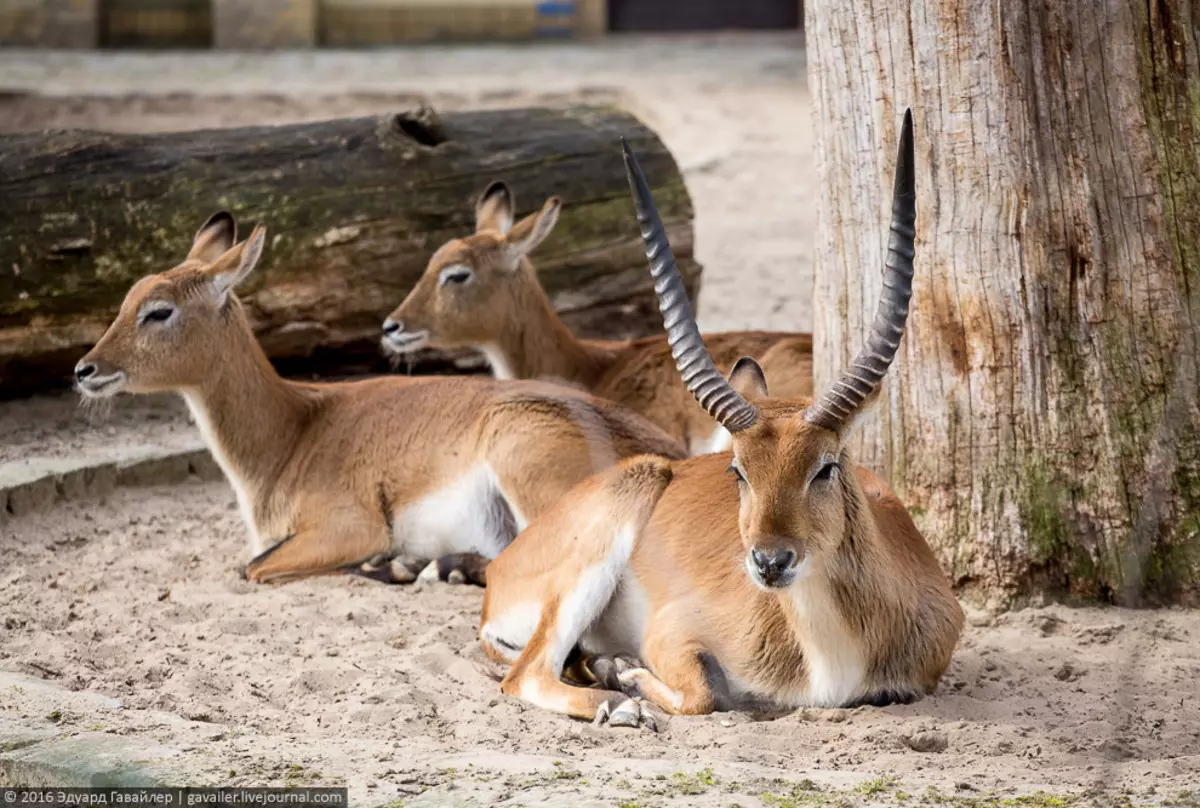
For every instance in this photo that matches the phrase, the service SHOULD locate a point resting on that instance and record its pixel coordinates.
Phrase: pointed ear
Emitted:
(494, 208)
(533, 229)
(748, 380)
(232, 268)
(214, 237)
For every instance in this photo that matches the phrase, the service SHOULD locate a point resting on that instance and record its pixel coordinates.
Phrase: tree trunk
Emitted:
(1042, 418)
(354, 208)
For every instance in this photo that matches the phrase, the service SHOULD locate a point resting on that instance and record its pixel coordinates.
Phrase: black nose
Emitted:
(392, 326)
(773, 565)
(83, 370)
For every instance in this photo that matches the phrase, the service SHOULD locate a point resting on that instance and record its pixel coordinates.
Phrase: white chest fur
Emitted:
(834, 657)
(240, 489)
(469, 515)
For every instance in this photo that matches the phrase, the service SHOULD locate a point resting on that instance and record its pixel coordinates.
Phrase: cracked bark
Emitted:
(1042, 419)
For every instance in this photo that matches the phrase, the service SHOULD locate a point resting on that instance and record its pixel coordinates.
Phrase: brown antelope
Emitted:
(482, 292)
(341, 476)
(778, 575)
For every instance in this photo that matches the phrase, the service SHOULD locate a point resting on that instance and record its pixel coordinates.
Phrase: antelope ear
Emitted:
(214, 238)
(494, 208)
(748, 379)
(236, 263)
(533, 229)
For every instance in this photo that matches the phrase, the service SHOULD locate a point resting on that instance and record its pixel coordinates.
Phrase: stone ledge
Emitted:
(39, 482)
(88, 759)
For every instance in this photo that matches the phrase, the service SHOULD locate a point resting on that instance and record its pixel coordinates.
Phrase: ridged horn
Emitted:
(695, 366)
(868, 368)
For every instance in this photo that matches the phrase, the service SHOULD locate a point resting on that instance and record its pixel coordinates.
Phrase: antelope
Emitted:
(377, 476)
(482, 292)
(773, 576)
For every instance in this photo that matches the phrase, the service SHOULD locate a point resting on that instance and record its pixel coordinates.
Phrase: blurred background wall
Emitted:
(252, 24)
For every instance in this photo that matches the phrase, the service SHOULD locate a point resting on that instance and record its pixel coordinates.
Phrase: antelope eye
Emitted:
(458, 275)
(827, 472)
(737, 473)
(159, 314)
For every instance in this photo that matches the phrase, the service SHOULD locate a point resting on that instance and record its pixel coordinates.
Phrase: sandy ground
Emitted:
(340, 680)
(138, 598)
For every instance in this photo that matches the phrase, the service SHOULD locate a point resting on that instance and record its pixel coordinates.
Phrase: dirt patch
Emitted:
(138, 597)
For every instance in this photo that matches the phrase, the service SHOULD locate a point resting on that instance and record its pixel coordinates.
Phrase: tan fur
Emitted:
(503, 310)
(327, 474)
(622, 498)
(709, 636)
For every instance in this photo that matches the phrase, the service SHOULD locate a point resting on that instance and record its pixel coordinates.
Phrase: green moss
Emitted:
(1183, 799)
(145, 224)
(803, 793)
(877, 785)
(1173, 564)
(691, 784)
(1042, 513)
(1041, 799)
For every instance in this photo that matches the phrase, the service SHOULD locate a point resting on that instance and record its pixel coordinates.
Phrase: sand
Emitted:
(137, 596)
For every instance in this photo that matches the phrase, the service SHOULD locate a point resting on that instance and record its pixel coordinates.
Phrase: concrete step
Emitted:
(52, 449)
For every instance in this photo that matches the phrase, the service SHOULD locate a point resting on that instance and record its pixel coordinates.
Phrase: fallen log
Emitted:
(354, 209)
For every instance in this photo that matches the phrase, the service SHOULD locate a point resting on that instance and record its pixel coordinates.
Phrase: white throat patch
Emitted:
(245, 507)
(501, 368)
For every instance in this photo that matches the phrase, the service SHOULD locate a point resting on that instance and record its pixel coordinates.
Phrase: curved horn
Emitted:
(695, 366)
(866, 371)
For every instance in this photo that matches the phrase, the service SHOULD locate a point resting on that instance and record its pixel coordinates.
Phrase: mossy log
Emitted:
(1042, 420)
(354, 208)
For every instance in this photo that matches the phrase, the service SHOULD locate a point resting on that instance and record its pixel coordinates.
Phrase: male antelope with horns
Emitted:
(347, 476)
(778, 575)
(482, 292)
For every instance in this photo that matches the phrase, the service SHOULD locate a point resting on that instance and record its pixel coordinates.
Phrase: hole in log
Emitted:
(70, 248)
(421, 125)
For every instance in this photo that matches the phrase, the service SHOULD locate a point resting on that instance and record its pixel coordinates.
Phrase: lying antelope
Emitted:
(776, 576)
(482, 292)
(340, 476)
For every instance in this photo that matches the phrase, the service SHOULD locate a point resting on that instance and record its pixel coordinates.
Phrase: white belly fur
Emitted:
(623, 624)
(470, 515)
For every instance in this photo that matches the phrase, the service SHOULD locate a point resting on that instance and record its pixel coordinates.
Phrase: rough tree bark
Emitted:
(354, 208)
(1042, 420)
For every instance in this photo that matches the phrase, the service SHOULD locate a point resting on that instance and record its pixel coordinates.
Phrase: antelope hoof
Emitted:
(429, 575)
(621, 711)
(385, 569)
(251, 573)
(629, 681)
(607, 670)
(459, 568)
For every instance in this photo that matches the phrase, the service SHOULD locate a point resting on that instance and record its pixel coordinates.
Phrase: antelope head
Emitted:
(474, 288)
(799, 498)
(171, 328)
